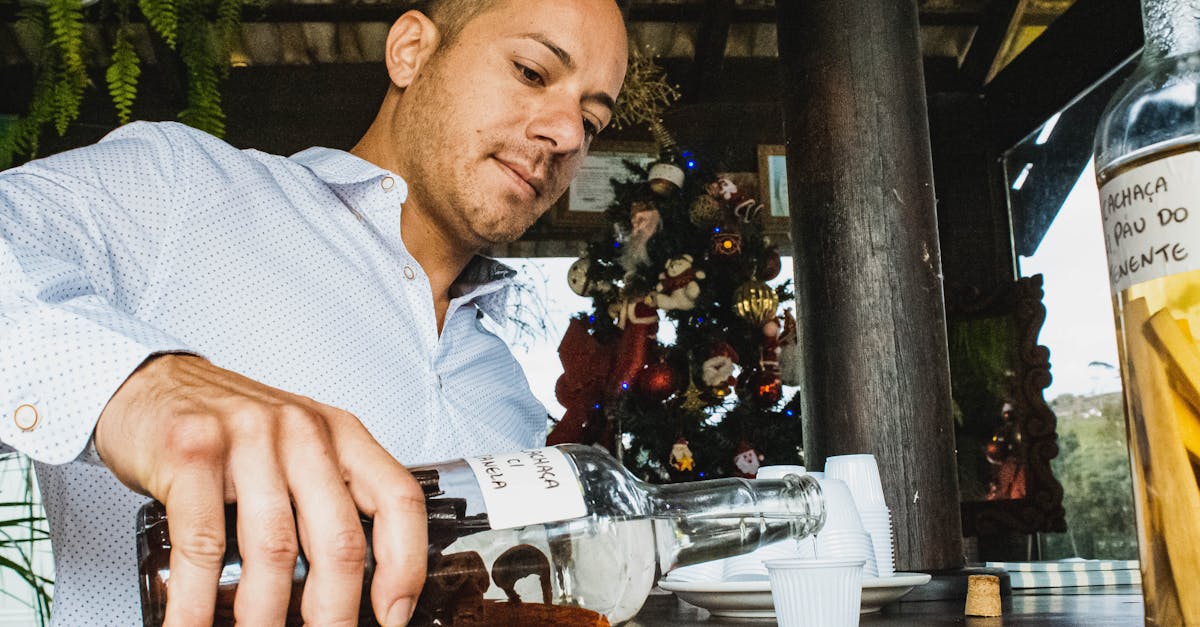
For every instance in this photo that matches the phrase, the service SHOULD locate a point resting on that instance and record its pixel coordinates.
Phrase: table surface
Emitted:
(1092, 607)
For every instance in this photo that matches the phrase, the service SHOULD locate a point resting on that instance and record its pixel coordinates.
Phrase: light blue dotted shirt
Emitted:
(288, 270)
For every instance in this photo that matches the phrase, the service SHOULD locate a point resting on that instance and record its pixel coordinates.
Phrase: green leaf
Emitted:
(122, 75)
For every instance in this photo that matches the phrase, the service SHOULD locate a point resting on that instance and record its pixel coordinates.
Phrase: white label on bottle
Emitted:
(1148, 227)
(528, 487)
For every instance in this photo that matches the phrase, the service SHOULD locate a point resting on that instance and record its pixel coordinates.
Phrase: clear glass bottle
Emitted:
(560, 535)
(1147, 154)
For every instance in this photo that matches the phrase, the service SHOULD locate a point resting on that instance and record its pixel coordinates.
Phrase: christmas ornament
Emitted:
(580, 388)
(717, 370)
(645, 221)
(645, 93)
(666, 175)
(655, 383)
(692, 401)
(770, 265)
(705, 210)
(677, 285)
(639, 328)
(721, 189)
(577, 276)
(755, 301)
(789, 351)
(759, 386)
(747, 460)
(681, 456)
(726, 244)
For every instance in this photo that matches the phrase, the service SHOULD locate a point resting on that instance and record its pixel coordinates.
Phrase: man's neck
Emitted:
(442, 260)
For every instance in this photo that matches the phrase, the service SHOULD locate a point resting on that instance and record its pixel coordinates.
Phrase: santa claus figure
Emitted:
(747, 461)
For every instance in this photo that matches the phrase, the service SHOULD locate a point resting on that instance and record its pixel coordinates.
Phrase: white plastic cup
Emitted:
(841, 514)
(751, 566)
(807, 593)
(849, 545)
(861, 474)
(779, 471)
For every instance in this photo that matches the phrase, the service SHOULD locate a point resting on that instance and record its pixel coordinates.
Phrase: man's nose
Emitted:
(559, 124)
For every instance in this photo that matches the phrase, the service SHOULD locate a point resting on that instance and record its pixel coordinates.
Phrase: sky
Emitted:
(1079, 327)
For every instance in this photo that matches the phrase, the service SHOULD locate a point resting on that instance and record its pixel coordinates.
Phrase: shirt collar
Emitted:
(338, 167)
(484, 281)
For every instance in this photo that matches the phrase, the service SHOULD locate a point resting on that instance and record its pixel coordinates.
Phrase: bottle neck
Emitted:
(1171, 28)
(705, 520)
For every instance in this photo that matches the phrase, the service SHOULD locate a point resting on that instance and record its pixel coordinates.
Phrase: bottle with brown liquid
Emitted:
(559, 535)
(1148, 168)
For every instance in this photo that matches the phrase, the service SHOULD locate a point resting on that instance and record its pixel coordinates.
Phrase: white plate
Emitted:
(752, 599)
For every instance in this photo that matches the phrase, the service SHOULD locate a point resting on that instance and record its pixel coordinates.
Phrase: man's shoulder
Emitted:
(179, 137)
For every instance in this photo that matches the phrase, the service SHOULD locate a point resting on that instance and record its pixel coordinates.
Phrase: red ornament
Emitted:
(759, 386)
(770, 265)
(656, 382)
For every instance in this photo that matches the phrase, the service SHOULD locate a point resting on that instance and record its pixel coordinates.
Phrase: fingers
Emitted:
(195, 507)
(329, 527)
(267, 542)
(392, 497)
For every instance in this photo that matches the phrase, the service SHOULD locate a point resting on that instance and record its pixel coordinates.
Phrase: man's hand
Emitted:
(195, 436)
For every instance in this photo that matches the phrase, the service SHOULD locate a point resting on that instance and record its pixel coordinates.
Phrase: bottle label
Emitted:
(528, 487)
(1148, 228)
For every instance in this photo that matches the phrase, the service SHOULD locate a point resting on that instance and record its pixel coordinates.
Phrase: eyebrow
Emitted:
(565, 58)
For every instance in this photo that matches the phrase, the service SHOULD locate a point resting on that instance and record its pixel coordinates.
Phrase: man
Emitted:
(161, 291)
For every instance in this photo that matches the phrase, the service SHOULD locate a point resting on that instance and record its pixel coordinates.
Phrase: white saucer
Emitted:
(752, 599)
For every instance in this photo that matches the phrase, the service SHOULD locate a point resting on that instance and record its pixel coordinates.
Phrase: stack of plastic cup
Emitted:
(821, 592)
(861, 475)
(750, 567)
(843, 537)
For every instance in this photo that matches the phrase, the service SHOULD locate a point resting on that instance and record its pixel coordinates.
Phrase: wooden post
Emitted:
(868, 268)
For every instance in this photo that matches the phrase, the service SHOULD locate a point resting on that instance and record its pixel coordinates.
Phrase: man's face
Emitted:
(496, 125)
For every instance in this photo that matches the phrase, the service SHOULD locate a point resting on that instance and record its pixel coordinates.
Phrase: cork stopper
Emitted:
(983, 596)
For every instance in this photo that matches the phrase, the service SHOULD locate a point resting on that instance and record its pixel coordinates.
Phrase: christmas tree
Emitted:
(683, 246)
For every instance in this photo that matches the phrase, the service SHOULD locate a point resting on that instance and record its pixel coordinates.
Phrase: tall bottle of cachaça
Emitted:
(1148, 168)
(559, 535)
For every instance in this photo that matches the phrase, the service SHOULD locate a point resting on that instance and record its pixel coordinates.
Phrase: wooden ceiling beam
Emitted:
(1064, 62)
(990, 37)
(711, 39)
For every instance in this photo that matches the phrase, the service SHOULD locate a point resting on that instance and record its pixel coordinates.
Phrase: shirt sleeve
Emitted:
(79, 235)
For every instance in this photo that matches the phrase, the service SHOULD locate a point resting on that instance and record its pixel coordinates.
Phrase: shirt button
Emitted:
(26, 417)
(387, 183)
(409, 273)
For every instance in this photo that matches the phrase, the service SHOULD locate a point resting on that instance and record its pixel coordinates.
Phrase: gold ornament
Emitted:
(755, 301)
(646, 92)
(691, 398)
(705, 210)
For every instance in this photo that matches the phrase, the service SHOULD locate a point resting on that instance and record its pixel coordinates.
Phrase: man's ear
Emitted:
(411, 40)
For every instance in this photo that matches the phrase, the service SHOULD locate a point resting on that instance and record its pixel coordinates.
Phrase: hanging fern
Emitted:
(198, 46)
(122, 74)
(163, 18)
(203, 32)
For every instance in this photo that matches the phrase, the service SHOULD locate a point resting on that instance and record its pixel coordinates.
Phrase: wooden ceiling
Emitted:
(304, 32)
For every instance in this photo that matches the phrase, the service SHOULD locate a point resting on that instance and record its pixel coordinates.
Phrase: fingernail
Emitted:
(399, 613)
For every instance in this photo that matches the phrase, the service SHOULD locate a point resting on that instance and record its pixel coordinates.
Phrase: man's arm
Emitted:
(79, 237)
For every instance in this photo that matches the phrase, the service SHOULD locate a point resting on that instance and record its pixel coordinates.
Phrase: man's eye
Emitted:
(530, 74)
(590, 129)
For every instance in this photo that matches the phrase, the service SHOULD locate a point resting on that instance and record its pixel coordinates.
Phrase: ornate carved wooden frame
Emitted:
(1041, 508)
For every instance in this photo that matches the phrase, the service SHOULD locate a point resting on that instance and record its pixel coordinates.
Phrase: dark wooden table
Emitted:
(1089, 607)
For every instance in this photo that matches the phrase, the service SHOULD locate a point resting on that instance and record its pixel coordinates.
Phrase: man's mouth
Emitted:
(524, 175)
